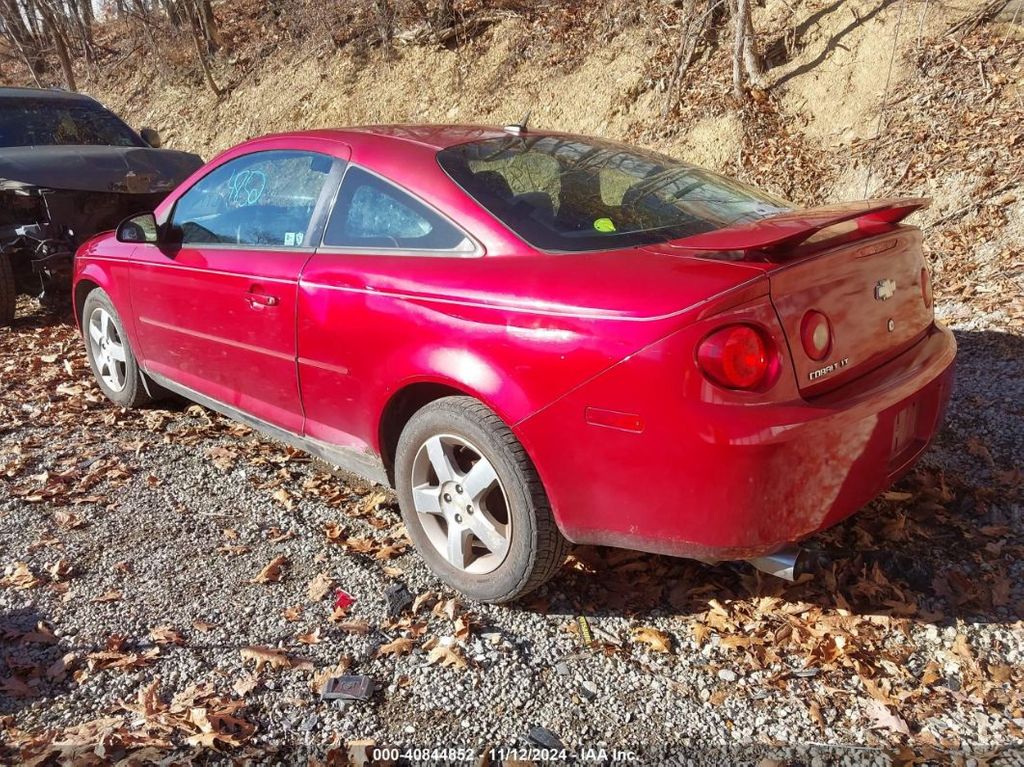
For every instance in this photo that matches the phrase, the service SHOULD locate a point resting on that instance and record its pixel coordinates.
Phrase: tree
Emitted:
(745, 59)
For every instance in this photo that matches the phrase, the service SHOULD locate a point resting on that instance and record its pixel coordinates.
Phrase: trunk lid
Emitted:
(871, 292)
(851, 262)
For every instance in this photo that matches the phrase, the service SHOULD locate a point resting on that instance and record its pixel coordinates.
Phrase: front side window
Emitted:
(55, 122)
(372, 213)
(565, 193)
(264, 198)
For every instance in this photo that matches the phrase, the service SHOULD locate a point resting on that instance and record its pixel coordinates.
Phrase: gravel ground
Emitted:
(914, 646)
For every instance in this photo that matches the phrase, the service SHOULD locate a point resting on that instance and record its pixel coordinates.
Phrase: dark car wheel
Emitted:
(473, 503)
(110, 357)
(8, 291)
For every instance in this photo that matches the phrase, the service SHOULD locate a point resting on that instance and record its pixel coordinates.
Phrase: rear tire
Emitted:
(111, 358)
(486, 527)
(8, 291)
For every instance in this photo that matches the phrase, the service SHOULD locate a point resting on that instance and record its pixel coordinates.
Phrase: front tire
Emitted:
(473, 503)
(110, 357)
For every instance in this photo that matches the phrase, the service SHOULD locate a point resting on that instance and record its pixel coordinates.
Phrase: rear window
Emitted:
(53, 122)
(564, 193)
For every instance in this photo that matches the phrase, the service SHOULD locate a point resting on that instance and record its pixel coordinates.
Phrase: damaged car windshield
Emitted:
(51, 122)
(564, 193)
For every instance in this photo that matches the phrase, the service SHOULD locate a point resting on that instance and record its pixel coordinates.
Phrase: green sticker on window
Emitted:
(604, 225)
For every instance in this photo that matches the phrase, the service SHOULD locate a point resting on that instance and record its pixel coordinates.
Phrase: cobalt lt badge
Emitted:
(885, 289)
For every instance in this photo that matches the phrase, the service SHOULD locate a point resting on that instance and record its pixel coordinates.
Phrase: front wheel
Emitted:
(473, 503)
(110, 357)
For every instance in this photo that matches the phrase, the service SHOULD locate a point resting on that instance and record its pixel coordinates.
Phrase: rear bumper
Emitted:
(720, 480)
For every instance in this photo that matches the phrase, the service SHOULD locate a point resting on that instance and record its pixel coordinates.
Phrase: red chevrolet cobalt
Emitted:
(535, 338)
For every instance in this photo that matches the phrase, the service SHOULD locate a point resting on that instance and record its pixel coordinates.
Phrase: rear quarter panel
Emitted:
(514, 332)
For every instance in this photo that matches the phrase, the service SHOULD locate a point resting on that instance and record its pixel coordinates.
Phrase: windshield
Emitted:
(566, 193)
(50, 122)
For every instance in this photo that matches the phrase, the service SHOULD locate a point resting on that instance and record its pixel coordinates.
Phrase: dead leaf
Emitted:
(355, 627)
(657, 640)
(111, 596)
(166, 635)
(277, 535)
(236, 550)
(318, 588)
(400, 646)
(60, 570)
(266, 656)
(885, 719)
(68, 520)
(273, 572)
(446, 656)
(246, 684)
(20, 576)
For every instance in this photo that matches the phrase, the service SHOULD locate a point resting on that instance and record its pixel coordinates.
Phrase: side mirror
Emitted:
(139, 229)
(151, 137)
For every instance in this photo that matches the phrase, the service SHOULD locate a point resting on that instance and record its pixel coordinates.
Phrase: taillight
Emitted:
(735, 357)
(926, 287)
(816, 335)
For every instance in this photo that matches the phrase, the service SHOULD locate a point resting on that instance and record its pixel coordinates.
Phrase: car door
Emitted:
(215, 307)
(378, 239)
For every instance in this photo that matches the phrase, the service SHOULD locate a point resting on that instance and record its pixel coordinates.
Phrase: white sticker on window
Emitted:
(289, 238)
(299, 236)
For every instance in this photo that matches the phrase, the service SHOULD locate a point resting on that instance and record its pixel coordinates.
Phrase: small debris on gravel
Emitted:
(398, 598)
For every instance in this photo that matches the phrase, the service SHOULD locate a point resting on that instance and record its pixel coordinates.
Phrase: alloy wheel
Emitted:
(461, 504)
(108, 351)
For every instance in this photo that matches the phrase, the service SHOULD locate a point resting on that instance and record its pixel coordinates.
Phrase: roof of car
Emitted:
(432, 136)
(11, 92)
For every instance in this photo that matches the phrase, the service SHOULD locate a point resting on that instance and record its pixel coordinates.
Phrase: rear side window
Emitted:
(568, 193)
(373, 214)
(264, 198)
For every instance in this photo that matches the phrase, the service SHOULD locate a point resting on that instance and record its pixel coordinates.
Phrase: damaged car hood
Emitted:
(131, 170)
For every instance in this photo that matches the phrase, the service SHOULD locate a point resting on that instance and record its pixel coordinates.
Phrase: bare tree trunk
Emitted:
(60, 42)
(173, 13)
(745, 58)
(740, 13)
(209, 25)
(78, 18)
(751, 58)
(201, 52)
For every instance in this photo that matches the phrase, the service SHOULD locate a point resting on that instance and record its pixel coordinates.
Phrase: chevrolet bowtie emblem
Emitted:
(885, 289)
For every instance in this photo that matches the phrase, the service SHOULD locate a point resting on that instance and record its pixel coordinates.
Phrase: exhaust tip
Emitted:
(788, 563)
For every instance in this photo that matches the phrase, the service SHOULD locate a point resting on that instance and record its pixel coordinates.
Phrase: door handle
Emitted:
(259, 300)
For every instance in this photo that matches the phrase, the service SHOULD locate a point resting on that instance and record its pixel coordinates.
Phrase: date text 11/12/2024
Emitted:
(500, 754)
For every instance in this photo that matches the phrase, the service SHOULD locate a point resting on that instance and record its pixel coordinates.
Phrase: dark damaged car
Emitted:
(69, 168)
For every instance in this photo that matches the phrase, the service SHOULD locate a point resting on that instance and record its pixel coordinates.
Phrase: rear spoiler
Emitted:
(794, 227)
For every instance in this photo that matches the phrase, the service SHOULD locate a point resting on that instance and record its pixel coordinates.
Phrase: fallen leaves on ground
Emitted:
(319, 587)
(270, 656)
(273, 572)
(114, 595)
(166, 635)
(116, 655)
(446, 656)
(657, 640)
(400, 646)
(19, 576)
